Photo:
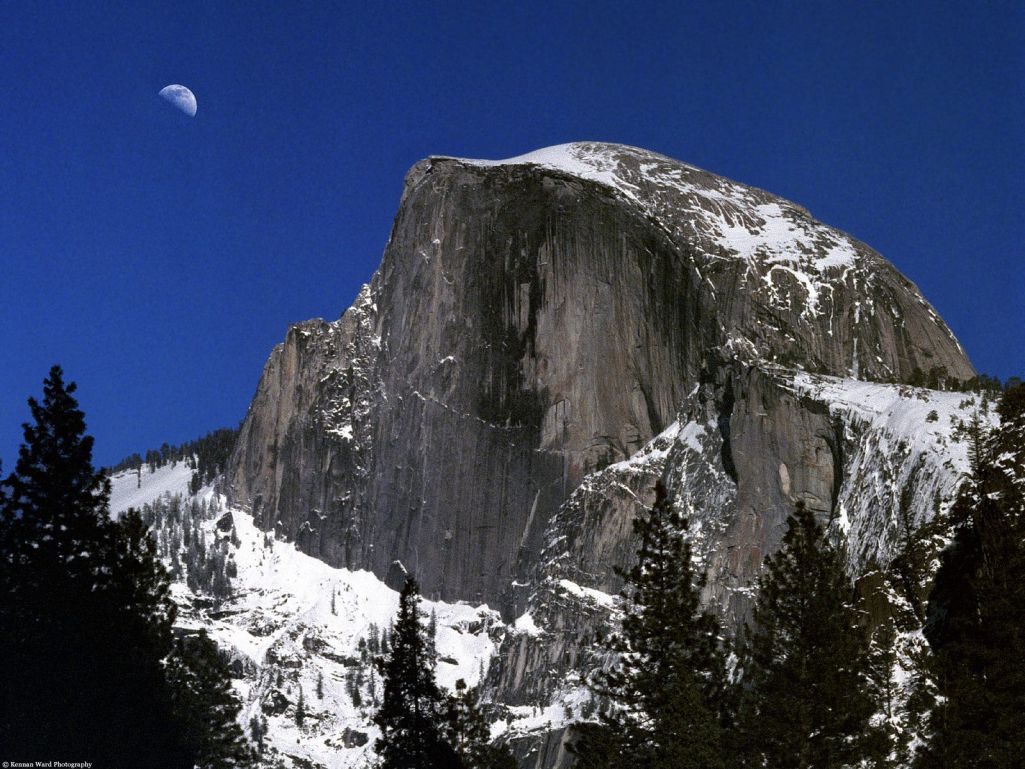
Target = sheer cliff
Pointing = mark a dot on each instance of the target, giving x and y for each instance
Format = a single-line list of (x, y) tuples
[(545, 338), (538, 319)]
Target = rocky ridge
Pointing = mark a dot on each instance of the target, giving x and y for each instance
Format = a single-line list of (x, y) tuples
[(548, 335)]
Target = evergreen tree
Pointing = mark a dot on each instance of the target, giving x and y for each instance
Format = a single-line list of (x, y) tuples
[(976, 622), (669, 689), (258, 732), (806, 661), (468, 732), (352, 686), (901, 680), (300, 710), (84, 608), (886, 746), (432, 634), (73, 652), (597, 745), (206, 705), (410, 716)]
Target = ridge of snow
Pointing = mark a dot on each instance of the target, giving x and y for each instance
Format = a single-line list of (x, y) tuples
[(572, 159), (293, 621), (781, 234), (899, 440), (655, 450)]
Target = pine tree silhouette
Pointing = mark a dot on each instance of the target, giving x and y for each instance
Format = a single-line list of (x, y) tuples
[(467, 731), (84, 609), (410, 716), (806, 660), (206, 706), (669, 690), (976, 619)]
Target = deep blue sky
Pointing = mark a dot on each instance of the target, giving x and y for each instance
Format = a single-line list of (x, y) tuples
[(158, 258)]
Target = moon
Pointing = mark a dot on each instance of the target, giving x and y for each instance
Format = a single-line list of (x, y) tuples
[(181, 97)]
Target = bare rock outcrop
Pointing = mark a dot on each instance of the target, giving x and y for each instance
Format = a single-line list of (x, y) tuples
[(549, 335), (537, 320)]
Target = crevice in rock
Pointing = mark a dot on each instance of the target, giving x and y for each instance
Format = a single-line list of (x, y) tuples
[(725, 415), (836, 447)]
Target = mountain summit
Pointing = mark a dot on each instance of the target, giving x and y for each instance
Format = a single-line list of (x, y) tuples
[(538, 319), (546, 338)]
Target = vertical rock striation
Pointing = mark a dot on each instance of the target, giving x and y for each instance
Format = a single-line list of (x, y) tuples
[(538, 319)]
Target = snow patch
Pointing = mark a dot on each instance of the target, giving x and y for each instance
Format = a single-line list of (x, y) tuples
[(525, 624), (129, 488), (588, 594)]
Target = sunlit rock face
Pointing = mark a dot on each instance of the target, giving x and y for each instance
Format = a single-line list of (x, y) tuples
[(548, 336), (537, 320)]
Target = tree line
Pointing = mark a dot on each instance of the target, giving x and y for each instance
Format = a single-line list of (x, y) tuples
[(938, 378), (207, 456)]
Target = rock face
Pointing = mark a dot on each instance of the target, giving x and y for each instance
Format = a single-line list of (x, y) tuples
[(539, 319), (860, 453), (549, 335)]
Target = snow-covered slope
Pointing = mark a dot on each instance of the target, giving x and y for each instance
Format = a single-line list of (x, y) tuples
[(129, 488), (294, 624), (295, 617)]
